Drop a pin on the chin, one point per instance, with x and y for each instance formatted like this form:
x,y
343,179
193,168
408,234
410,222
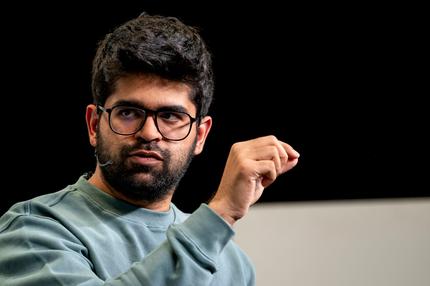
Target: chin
x,y
143,178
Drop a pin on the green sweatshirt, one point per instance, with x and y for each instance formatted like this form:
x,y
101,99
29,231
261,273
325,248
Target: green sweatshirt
x,y
83,236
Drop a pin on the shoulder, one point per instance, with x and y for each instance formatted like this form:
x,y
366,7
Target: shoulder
x,y
39,207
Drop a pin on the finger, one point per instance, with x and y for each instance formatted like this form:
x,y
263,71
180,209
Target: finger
x,y
268,153
291,159
285,151
267,171
291,164
292,154
286,154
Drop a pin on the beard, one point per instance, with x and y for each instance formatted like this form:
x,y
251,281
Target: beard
x,y
127,178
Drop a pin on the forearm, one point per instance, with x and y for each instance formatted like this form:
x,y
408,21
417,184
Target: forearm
x,y
187,257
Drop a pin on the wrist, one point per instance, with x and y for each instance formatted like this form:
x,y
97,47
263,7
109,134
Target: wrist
x,y
223,212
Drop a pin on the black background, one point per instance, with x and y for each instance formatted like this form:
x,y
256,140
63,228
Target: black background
x,y
339,83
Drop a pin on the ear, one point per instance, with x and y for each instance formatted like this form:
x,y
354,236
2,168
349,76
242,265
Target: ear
x,y
202,133
92,119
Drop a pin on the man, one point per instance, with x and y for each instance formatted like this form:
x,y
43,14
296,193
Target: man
x,y
152,88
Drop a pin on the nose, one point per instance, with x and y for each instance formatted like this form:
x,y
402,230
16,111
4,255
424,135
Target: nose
x,y
149,131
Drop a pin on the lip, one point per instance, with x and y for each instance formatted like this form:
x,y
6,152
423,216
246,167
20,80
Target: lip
x,y
146,155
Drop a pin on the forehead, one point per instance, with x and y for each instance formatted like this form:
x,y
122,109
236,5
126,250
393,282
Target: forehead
x,y
151,92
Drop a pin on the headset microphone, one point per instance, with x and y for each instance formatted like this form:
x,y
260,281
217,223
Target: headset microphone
x,y
102,164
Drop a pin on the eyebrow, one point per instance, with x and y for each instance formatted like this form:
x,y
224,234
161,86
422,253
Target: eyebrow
x,y
132,103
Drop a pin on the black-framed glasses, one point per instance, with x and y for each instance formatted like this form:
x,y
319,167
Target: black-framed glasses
x,y
128,120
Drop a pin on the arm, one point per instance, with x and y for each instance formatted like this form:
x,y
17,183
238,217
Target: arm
x,y
188,256
37,250
251,167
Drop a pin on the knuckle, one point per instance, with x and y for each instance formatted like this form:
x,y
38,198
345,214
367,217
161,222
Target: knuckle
x,y
272,138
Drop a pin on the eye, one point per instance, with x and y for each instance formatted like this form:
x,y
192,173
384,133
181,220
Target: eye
x,y
127,113
171,116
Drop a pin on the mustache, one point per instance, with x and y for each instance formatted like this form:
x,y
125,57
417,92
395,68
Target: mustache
x,y
150,146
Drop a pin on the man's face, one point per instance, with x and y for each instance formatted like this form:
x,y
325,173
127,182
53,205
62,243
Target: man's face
x,y
145,166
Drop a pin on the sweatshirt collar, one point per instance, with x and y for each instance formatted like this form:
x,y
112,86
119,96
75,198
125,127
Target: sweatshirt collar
x,y
126,210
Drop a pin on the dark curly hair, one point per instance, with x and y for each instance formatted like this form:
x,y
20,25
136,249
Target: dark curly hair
x,y
155,45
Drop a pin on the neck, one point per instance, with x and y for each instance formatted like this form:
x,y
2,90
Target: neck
x,y
162,205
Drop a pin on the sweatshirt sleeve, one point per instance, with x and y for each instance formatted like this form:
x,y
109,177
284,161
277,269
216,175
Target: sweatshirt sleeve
x,y
38,251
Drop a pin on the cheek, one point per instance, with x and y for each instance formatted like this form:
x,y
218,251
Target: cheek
x,y
181,152
109,141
